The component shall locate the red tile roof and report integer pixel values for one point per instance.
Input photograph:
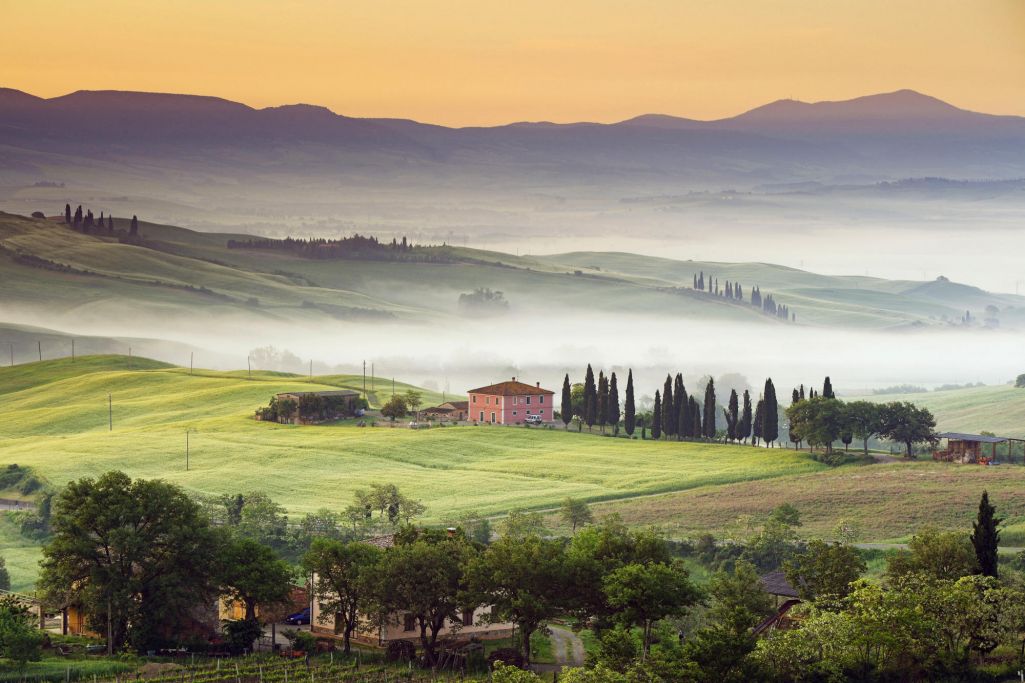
(511, 388)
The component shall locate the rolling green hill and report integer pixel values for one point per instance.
(997, 409)
(175, 271)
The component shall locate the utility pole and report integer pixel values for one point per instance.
(192, 357)
(110, 413)
(72, 350)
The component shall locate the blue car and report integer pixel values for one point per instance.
(301, 618)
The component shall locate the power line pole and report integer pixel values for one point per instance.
(192, 357)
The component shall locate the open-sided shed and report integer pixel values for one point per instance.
(972, 448)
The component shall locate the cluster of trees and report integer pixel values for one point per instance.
(310, 408)
(357, 247)
(483, 301)
(734, 291)
(400, 405)
(87, 223)
(597, 403)
(823, 419)
(677, 415)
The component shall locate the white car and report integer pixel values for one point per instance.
(534, 420)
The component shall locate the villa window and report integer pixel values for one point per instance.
(540, 399)
(528, 400)
(409, 622)
(467, 617)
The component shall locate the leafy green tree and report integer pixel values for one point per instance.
(342, 572)
(647, 593)
(738, 604)
(612, 417)
(567, 402)
(252, 574)
(936, 554)
(708, 423)
(824, 570)
(5, 576)
(323, 523)
(20, 640)
(629, 408)
(264, 521)
(986, 537)
(864, 419)
(818, 420)
(422, 579)
(786, 514)
(395, 408)
(774, 544)
(908, 424)
(523, 580)
(656, 417)
(1019, 381)
(138, 556)
(575, 513)
(668, 410)
(770, 414)
(414, 399)
(746, 418)
(520, 524)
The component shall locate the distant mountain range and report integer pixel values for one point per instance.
(206, 154)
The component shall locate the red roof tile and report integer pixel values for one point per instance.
(511, 388)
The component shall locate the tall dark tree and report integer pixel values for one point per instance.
(695, 417)
(656, 417)
(794, 396)
(67, 214)
(134, 229)
(756, 426)
(708, 421)
(567, 402)
(802, 392)
(602, 412)
(679, 401)
(590, 398)
(630, 409)
(746, 418)
(668, 411)
(827, 389)
(732, 414)
(986, 537)
(684, 423)
(770, 414)
(110, 223)
(78, 217)
(613, 404)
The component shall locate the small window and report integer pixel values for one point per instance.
(541, 399)
(409, 622)
(467, 617)
(528, 400)
(514, 413)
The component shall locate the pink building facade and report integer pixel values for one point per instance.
(510, 403)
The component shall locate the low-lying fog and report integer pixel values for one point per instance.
(455, 355)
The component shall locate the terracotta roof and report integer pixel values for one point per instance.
(458, 405)
(511, 388)
(775, 583)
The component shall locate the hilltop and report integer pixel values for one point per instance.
(168, 272)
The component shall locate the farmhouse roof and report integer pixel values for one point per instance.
(978, 438)
(511, 388)
(339, 393)
(457, 405)
(775, 583)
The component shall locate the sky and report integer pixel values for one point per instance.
(482, 62)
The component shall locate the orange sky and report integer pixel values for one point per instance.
(466, 62)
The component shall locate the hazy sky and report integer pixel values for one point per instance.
(488, 61)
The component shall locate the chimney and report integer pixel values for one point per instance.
(514, 379)
(538, 385)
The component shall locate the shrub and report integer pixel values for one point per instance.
(400, 651)
(506, 655)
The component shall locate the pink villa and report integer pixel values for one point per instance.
(511, 403)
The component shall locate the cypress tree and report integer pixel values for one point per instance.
(732, 416)
(827, 389)
(567, 402)
(802, 392)
(756, 426)
(67, 214)
(78, 217)
(630, 411)
(134, 229)
(986, 537)
(744, 430)
(679, 401)
(602, 412)
(683, 420)
(590, 398)
(708, 424)
(656, 417)
(613, 412)
(110, 222)
(794, 397)
(770, 414)
(668, 413)
(695, 417)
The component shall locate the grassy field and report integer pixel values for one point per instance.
(887, 502)
(999, 409)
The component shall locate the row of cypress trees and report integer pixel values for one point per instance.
(86, 222)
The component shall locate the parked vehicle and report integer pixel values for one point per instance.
(534, 420)
(301, 618)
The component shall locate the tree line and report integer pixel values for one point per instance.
(734, 291)
(87, 223)
(356, 247)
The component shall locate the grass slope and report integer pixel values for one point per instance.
(998, 409)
